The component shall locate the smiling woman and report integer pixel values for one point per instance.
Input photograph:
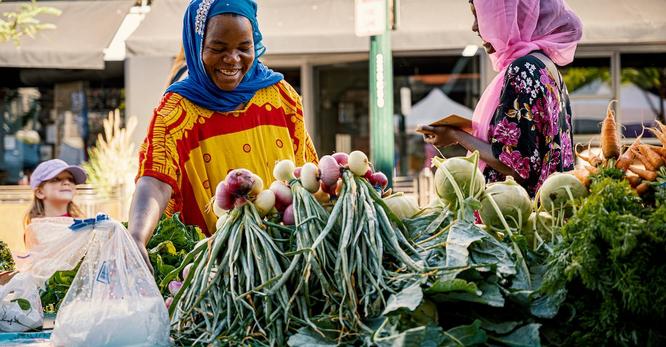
(228, 51)
(230, 112)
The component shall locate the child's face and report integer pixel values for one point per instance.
(59, 189)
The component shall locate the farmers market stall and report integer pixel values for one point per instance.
(328, 256)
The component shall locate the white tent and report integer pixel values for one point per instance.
(636, 104)
(433, 107)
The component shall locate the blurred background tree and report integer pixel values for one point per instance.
(24, 22)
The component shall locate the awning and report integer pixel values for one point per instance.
(83, 31)
(317, 26)
(325, 26)
(621, 21)
(160, 32)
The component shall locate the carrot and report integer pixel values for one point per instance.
(648, 175)
(659, 132)
(591, 158)
(644, 160)
(660, 150)
(628, 156)
(642, 188)
(582, 175)
(592, 169)
(652, 156)
(633, 180)
(610, 140)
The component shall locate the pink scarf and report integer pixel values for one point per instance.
(515, 28)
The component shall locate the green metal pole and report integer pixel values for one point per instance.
(382, 150)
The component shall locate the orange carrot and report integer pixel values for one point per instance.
(591, 158)
(659, 135)
(644, 160)
(660, 150)
(642, 188)
(592, 169)
(653, 157)
(633, 180)
(610, 140)
(628, 156)
(647, 175)
(659, 132)
(582, 175)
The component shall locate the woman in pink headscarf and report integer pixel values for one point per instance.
(522, 124)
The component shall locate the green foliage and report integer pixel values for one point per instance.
(56, 288)
(576, 77)
(6, 260)
(611, 262)
(170, 244)
(15, 25)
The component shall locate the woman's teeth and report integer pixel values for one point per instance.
(229, 72)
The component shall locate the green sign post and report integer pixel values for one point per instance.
(382, 146)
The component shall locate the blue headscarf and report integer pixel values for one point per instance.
(198, 87)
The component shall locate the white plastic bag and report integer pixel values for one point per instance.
(55, 247)
(20, 305)
(113, 300)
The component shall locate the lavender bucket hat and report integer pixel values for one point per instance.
(52, 168)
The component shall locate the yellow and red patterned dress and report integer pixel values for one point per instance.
(192, 148)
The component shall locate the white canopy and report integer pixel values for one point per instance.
(327, 26)
(637, 105)
(436, 105)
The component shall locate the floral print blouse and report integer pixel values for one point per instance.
(531, 130)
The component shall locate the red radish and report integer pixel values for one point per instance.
(240, 201)
(257, 186)
(368, 175)
(283, 196)
(265, 202)
(284, 170)
(288, 215)
(168, 302)
(358, 163)
(379, 180)
(342, 158)
(186, 270)
(223, 197)
(310, 177)
(240, 182)
(329, 170)
(174, 287)
(297, 172)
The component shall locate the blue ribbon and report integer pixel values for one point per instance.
(80, 224)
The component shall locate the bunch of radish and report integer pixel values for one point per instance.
(361, 230)
(238, 188)
(222, 290)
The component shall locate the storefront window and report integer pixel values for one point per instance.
(590, 89)
(425, 90)
(642, 92)
(58, 121)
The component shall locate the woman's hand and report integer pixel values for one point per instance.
(151, 197)
(443, 135)
(440, 136)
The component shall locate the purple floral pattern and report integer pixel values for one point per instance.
(506, 132)
(531, 131)
(516, 161)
